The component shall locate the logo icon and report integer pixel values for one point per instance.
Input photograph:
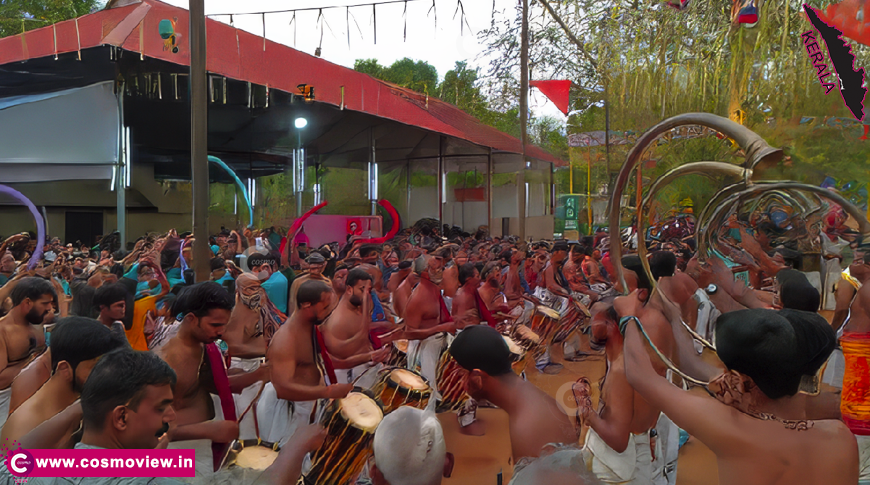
(20, 462)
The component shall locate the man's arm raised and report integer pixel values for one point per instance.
(614, 427)
(716, 425)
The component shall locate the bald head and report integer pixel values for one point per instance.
(409, 448)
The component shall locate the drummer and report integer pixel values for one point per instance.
(404, 288)
(535, 418)
(466, 309)
(426, 319)
(205, 310)
(346, 332)
(553, 291)
(299, 365)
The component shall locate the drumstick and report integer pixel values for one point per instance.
(399, 328)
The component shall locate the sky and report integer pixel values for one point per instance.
(440, 46)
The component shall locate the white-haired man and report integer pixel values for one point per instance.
(410, 449)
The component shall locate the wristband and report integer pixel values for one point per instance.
(623, 323)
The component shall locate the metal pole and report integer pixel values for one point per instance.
(121, 211)
(589, 190)
(441, 197)
(373, 176)
(489, 169)
(524, 113)
(199, 139)
(607, 132)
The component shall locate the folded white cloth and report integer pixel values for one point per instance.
(632, 466)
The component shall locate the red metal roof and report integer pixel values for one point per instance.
(247, 57)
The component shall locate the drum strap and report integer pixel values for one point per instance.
(222, 383)
(253, 406)
(320, 351)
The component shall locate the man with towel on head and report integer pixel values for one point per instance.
(427, 320)
(299, 365)
(251, 326)
(758, 429)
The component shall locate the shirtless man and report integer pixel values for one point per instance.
(206, 309)
(513, 286)
(763, 435)
(574, 273)
(296, 359)
(855, 332)
(76, 345)
(316, 264)
(535, 418)
(592, 269)
(490, 291)
(339, 279)
(369, 255)
(402, 271)
(21, 332)
(450, 284)
(403, 292)
(465, 309)
(427, 319)
(346, 332)
(623, 419)
(853, 279)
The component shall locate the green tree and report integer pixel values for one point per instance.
(17, 16)
(417, 76)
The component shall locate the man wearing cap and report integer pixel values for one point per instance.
(316, 263)
(535, 418)
(759, 429)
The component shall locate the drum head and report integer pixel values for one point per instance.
(408, 380)
(361, 411)
(527, 333)
(548, 312)
(514, 348)
(401, 345)
(256, 457)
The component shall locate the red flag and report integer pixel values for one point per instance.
(556, 91)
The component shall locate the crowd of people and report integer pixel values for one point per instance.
(114, 347)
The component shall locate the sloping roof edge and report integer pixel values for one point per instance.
(247, 57)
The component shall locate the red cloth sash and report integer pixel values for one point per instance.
(482, 309)
(228, 406)
(320, 347)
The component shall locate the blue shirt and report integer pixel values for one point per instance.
(278, 291)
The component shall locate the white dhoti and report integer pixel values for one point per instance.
(247, 430)
(5, 398)
(632, 466)
(368, 372)
(277, 418)
(863, 458)
(423, 357)
(664, 465)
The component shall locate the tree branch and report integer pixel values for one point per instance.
(570, 35)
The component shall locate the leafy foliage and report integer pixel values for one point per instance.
(17, 16)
